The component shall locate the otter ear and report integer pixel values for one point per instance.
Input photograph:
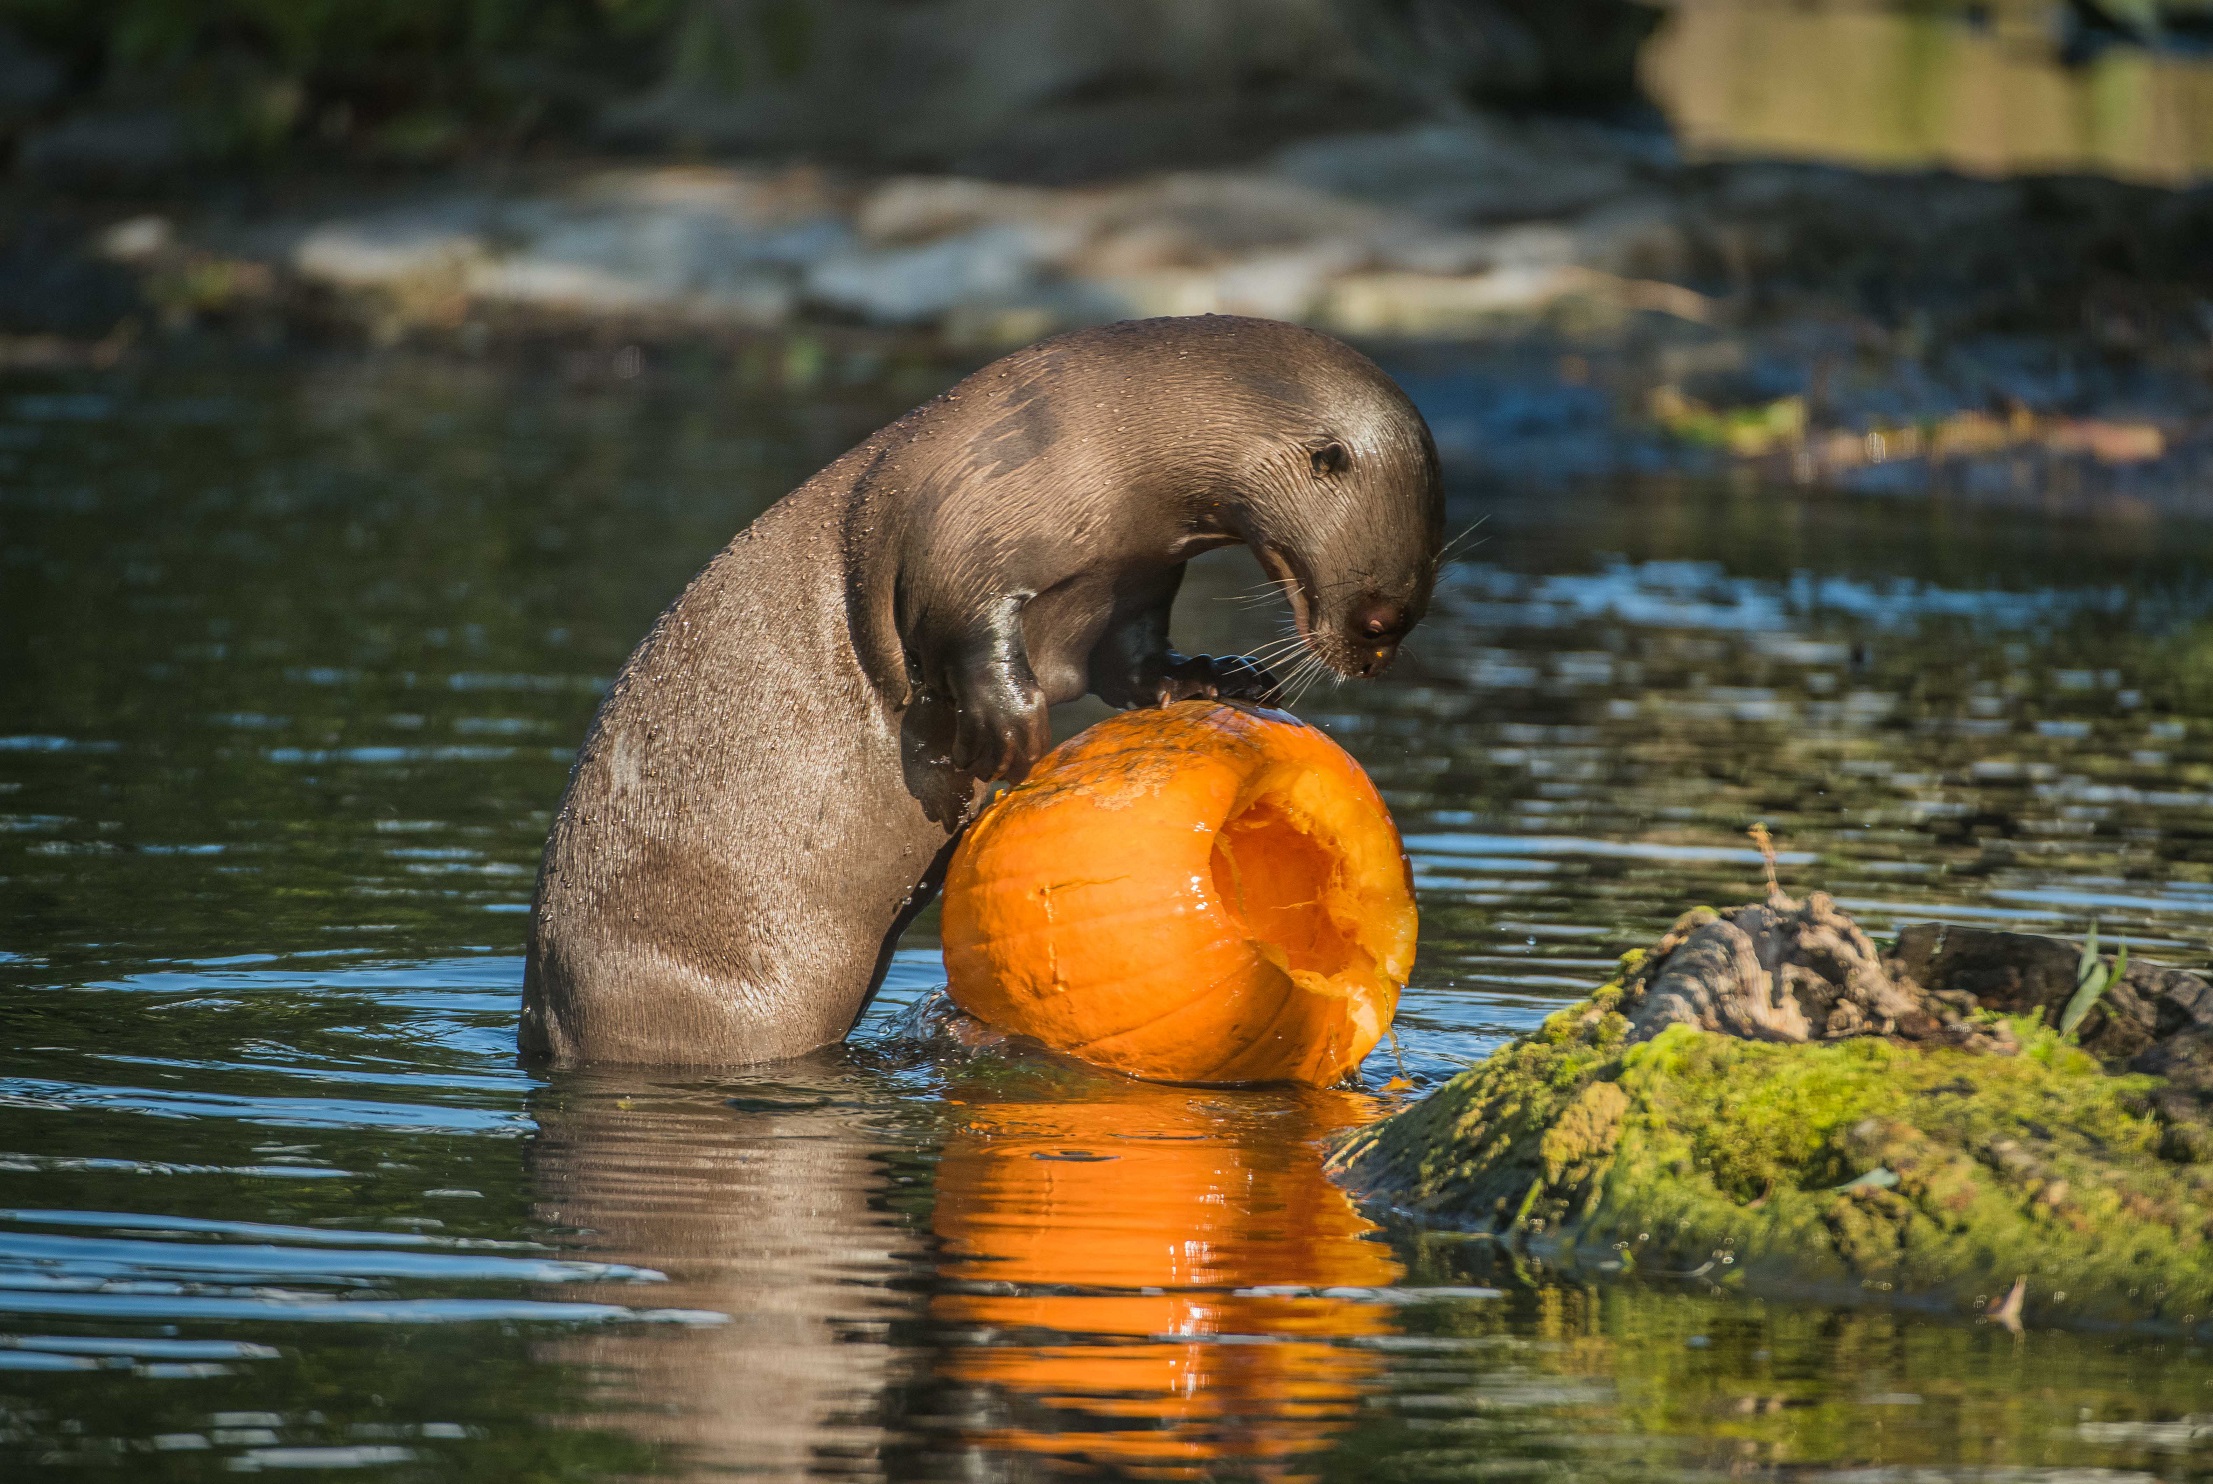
(1331, 458)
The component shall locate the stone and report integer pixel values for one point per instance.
(1433, 305)
(915, 285)
(429, 239)
(699, 246)
(2141, 1021)
(921, 208)
(1476, 170)
(136, 239)
(1778, 970)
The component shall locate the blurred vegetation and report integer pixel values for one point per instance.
(929, 82)
(2016, 87)
(401, 77)
(418, 79)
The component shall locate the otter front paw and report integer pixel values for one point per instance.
(1212, 677)
(999, 737)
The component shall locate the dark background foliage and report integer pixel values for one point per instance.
(1066, 87)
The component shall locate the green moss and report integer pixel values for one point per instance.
(1862, 1163)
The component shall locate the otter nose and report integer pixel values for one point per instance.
(1381, 623)
(1377, 628)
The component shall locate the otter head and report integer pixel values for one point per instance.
(1340, 499)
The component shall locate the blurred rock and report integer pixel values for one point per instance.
(406, 243)
(1473, 170)
(981, 260)
(136, 239)
(2002, 339)
(921, 207)
(705, 246)
(981, 268)
(1644, 235)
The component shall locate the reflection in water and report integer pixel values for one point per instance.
(1981, 90)
(1151, 1279)
(1112, 1255)
(764, 1207)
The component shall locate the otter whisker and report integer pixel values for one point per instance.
(1317, 675)
(1277, 648)
(1265, 590)
(1281, 646)
(1455, 546)
(1309, 669)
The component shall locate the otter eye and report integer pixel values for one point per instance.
(1330, 458)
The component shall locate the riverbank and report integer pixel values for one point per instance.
(1611, 306)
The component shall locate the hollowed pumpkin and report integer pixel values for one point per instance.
(1201, 893)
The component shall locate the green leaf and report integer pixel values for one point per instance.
(2091, 981)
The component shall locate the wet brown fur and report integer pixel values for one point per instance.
(771, 788)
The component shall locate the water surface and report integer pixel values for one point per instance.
(292, 658)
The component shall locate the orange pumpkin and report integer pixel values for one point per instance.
(1200, 893)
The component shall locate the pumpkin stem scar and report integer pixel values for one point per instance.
(1046, 889)
(1053, 975)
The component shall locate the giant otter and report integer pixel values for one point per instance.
(771, 789)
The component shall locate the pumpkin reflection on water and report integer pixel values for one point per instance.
(1125, 1235)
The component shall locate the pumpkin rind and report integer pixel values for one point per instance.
(1201, 893)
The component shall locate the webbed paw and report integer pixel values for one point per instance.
(998, 735)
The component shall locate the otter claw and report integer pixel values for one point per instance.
(992, 744)
(1216, 678)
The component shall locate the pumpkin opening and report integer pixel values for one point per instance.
(1276, 880)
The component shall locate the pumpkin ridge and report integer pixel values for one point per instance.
(1260, 1043)
(1195, 1002)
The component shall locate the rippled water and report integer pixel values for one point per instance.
(291, 659)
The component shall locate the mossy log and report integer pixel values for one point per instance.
(1762, 1099)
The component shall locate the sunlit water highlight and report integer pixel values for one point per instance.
(293, 658)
